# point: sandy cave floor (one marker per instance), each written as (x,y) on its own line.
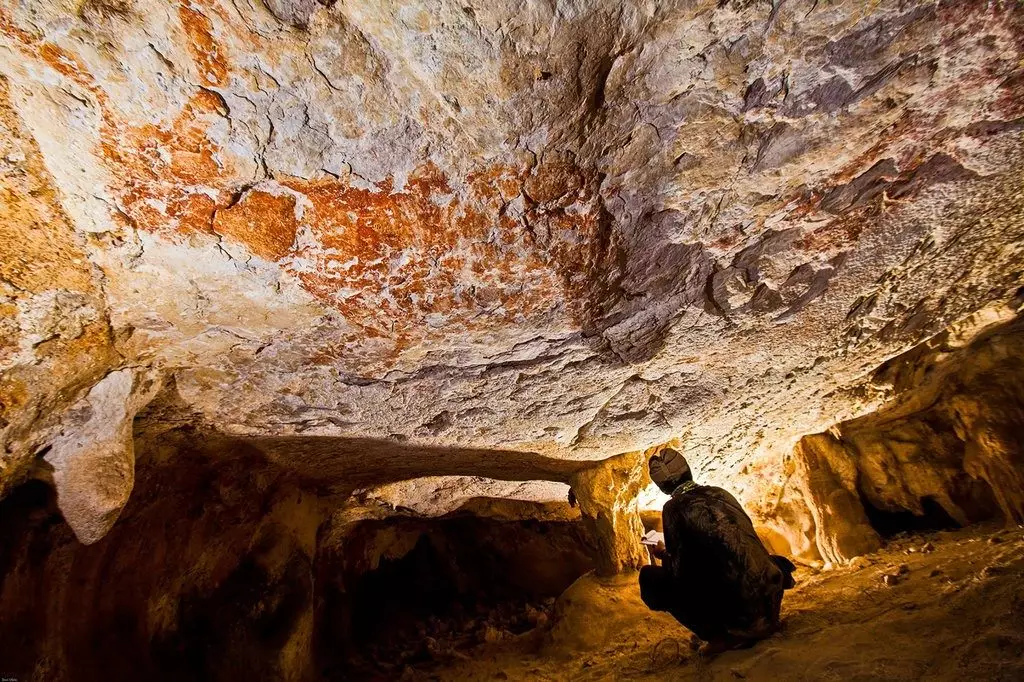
(956,611)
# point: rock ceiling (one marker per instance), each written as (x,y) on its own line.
(564,228)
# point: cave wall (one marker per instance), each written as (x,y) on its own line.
(945,450)
(55,338)
(365,242)
(209,569)
(225,563)
(573,229)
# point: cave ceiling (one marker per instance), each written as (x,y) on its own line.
(571,229)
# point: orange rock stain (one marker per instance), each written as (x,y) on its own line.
(263,221)
(168,178)
(171,177)
(403,265)
(207,53)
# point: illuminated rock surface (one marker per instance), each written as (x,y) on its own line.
(354,260)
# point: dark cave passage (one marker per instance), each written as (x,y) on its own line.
(409,591)
(229,563)
(230,571)
(889,524)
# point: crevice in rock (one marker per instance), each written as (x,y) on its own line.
(407,591)
(944,452)
(891,523)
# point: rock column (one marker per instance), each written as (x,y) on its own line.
(827,477)
(607,495)
(93,456)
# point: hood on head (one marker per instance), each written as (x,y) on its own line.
(669,470)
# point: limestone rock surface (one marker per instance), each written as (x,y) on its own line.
(93,456)
(942,452)
(558,230)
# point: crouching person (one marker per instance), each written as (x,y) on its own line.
(716,577)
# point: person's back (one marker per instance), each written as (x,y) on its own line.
(718,579)
(717,561)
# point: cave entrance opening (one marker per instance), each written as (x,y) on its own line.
(411,590)
(888,523)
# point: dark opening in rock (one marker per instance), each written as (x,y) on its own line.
(891,523)
(410,591)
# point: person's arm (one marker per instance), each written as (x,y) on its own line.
(672,524)
(655,544)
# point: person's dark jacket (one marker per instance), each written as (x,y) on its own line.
(724,580)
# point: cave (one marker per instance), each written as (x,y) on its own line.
(353,340)
(462,580)
(219,568)
(889,523)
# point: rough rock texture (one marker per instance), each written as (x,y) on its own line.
(828,481)
(492,246)
(607,496)
(440,495)
(944,451)
(54,335)
(93,456)
(570,228)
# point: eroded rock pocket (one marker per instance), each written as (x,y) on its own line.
(407,591)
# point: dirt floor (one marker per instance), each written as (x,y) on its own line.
(952,608)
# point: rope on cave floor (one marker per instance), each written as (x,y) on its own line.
(655,665)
